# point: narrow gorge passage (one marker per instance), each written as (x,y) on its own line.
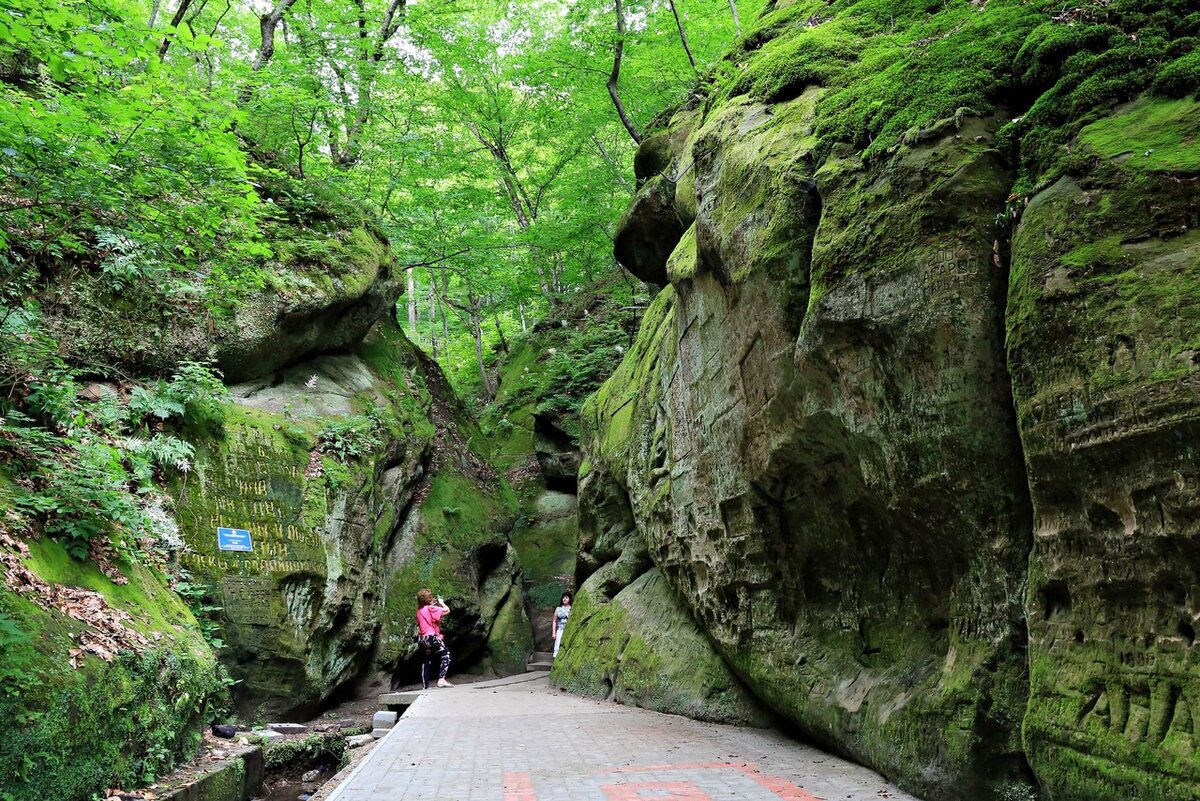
(839,358)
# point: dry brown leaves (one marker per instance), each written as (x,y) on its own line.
(108,633)
(522,472)
(314,468)
(102,554)
(1069,16)
(126,795)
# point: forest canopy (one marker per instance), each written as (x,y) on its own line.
(159,143)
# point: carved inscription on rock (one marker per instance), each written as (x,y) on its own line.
(255,486)
(950,271)
(248,599)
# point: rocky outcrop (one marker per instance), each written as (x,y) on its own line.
(325,277)
(533,425)
(352,476)
(1103,317)
(909,431)
(642,648)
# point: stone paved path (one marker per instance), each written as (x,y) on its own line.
(526,742)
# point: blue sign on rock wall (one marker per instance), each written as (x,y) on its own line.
(234,539)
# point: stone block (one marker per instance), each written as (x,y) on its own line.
(384,720)
(288,728)
(400,699)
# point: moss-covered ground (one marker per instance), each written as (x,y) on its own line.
(72,732)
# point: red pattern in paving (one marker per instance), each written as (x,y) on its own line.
(680,791)
(519,786)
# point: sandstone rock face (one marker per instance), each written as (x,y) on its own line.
(330,308)
(312,308)
(1104,311)
(651,654)
(821,389)
(912,430)
(341,542)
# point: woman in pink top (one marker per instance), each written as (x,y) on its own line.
(430,639)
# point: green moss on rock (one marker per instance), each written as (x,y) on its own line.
(75,731)
(641,649)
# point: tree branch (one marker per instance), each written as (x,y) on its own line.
(618,49)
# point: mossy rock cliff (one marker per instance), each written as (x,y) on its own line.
(354,477)
(325,277)
(911,431)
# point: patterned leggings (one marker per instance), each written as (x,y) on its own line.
(434,648)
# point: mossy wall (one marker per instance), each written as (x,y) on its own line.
(922,382)
(1103,317)
(73,732)
(342,540)
(642,648)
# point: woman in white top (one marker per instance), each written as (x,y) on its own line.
(559,621)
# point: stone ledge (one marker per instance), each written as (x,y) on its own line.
(236,779)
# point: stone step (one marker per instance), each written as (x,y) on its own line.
(384,720)
(400,699)
(541,656)
(539,665)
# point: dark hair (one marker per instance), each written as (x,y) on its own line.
(424,598)
(570,598)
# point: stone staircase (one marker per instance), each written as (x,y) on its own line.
(540,660)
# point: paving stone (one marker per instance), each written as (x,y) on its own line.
(288,728)
(539,666)
(526,742)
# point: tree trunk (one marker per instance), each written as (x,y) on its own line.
(489,388)
(737,22)
(154,14)
(521,309)
(174,23)
(445,292)
(618,49)
(267,24)
(500,331)
(683,35)
(412,304)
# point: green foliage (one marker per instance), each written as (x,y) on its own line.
(351,437)
(130,724)
(110,155)
(198,598)
(88,468)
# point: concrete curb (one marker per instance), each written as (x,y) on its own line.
(375,750)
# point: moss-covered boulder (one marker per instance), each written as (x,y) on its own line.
(642,648)
(358,488)
(326,294)
(648,231)
(102,684)
(325,276)
(1104,343)
(814,437)
(786,449)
